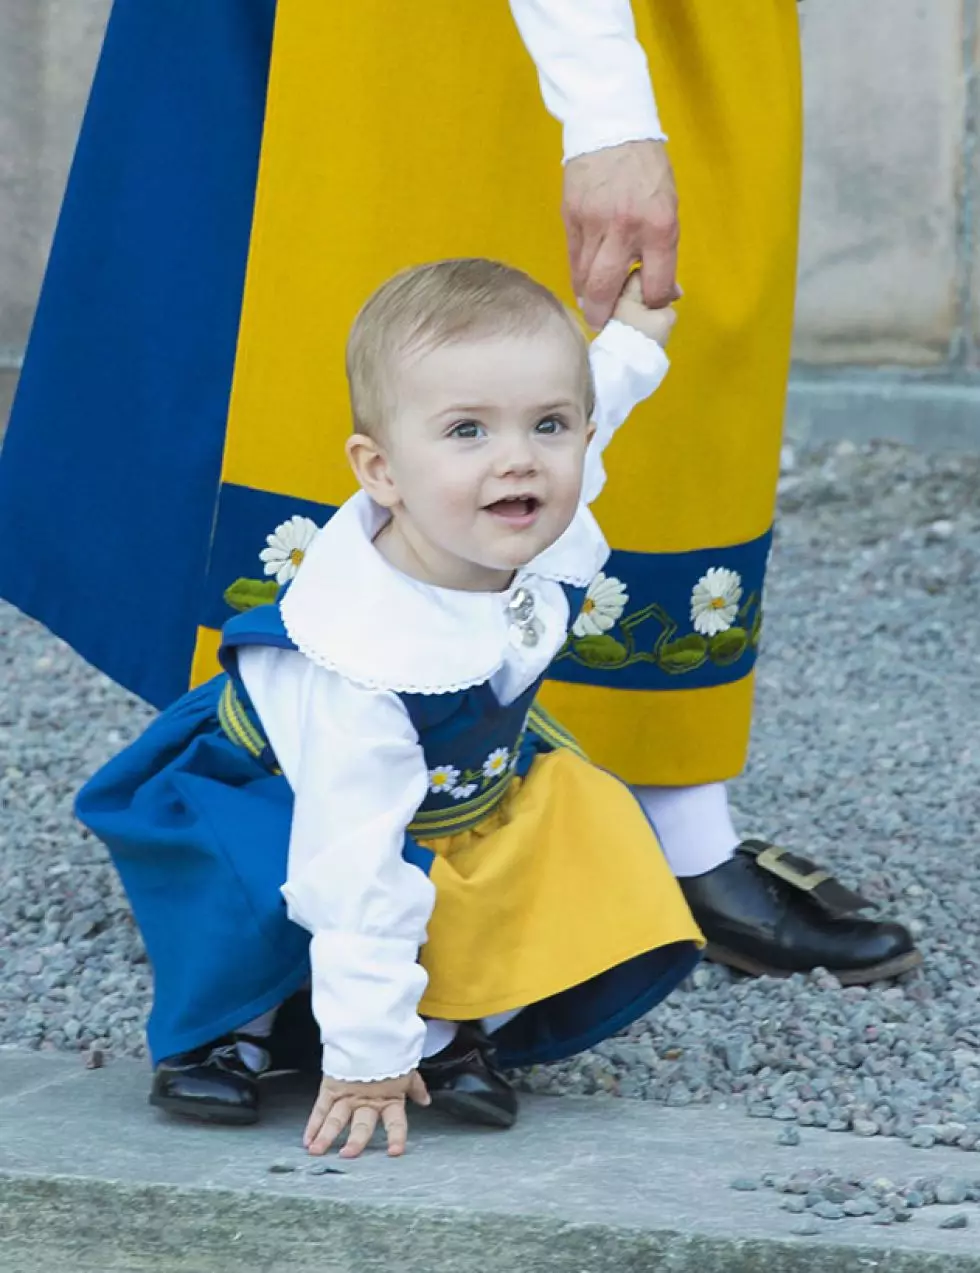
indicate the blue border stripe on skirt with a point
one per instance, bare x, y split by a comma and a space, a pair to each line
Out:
652, 645
110, 472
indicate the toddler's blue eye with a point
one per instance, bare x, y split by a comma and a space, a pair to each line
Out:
550, 425
467, 430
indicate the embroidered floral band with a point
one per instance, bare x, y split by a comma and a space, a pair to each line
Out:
650, 621
669, 620
457, 800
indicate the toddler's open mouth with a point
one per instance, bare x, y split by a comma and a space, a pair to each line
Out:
516, 510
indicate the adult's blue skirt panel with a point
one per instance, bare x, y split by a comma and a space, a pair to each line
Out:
129, 367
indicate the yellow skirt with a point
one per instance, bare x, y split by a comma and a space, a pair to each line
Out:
564, 881
399, 133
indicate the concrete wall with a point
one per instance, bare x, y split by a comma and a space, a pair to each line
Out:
888, 320
888, 310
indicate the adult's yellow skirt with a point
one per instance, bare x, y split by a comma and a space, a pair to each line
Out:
248, 171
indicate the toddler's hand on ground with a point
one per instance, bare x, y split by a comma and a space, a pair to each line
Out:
630, 309
362, 1105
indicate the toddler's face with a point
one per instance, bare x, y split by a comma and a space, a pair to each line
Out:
486, 451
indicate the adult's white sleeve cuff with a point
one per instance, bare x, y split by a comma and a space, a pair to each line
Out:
592, 71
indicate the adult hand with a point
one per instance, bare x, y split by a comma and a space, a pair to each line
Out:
619, 208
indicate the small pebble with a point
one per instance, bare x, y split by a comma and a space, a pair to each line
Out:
959, 1221
788, 1136
808, 1229
939, 531
281, 1169
829, 1211
745, 1184
951, 1193
322, 1169
95, 1059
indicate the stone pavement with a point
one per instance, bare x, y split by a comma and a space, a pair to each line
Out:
92, 1179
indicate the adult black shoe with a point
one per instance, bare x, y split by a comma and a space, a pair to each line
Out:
767, 912
211, 1083
465, 1081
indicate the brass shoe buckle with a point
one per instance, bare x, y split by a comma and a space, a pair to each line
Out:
780, 862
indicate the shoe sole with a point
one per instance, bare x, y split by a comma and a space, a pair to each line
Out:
200, 1114
846, 976
470, 1109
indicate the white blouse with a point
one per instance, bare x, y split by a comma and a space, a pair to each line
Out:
347, 747
592, 70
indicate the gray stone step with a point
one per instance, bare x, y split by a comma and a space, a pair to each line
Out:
92, 1179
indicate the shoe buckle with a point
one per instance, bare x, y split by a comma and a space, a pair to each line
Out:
805, 876
782, 863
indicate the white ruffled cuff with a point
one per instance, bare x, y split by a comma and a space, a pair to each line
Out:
641, 362
366, 992
591, 133
592, 70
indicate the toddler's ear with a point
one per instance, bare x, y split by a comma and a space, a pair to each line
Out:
370, 464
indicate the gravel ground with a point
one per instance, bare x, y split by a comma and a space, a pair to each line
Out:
865, 755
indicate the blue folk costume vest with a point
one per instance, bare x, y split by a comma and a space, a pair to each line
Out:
197, 815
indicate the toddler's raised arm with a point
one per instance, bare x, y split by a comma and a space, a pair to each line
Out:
627, 367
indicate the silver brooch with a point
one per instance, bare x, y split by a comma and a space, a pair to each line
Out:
525, 627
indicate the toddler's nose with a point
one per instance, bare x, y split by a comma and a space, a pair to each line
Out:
516, 456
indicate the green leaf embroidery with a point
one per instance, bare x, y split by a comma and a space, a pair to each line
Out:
684, 654
727, 647
600, 651
246, 594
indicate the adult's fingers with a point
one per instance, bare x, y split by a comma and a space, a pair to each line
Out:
589, 246
658, 275
575, 238
330, 1126
362, 1127
606, 278
395, 1122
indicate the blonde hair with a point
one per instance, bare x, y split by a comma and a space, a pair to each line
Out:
431, 305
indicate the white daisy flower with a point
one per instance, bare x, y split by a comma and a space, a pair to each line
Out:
443, 779
464, 792
496, 763
714, 601
287, 547
604, 604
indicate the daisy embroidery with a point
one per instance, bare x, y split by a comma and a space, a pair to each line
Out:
714, 601
287, 546
443, 780
603, 607
496, 763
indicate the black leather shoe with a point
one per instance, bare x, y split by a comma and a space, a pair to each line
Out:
211, 1083
464, 1080
770, 913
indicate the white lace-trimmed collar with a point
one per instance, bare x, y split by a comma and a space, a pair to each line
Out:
351, 611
